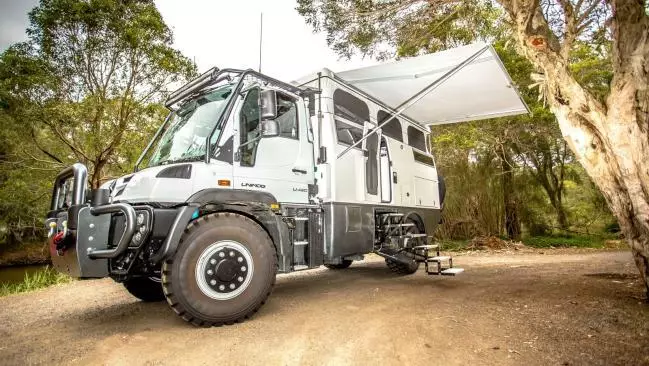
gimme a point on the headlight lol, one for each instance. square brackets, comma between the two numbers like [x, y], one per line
[143, 226]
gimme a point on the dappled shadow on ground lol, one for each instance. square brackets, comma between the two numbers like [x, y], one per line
[564, 309]
[614, 276]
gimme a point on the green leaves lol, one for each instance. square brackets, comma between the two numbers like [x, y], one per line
[93, 68]
[86, 87]
[401, 28]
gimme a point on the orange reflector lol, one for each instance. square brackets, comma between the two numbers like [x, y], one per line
[224, 182]
[274, 206]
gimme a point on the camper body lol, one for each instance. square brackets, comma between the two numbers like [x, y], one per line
[248, 177]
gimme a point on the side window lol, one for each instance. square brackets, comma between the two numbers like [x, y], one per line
[424, 159]
[350, 108]
[248, 128]
[348, 134]
[392, 128]
[416, 138]
[287, 116]
[223, 152]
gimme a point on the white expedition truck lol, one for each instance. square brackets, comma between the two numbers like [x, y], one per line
[250, 176]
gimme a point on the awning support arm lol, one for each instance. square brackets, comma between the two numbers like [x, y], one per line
[417, 96]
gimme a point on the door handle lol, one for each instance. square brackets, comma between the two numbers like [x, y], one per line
[296, 170]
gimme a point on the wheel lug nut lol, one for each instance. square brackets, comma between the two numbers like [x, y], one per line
[231, 254]
[232, 286]
[239, 259]
[221, 287]
[243, 268]
[213, 261]
[213, 282]
[210, 272]
[221, 254]
[240, 279]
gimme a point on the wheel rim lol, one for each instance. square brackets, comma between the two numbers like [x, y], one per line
[224, 270]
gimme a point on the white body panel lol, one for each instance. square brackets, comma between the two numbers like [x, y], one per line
[144, 186]
[344, 179]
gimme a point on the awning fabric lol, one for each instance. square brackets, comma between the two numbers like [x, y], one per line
[481, 89]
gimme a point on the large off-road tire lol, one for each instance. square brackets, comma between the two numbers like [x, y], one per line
[145, 289]
[223, 271]
[401, 268]
[342, 265]
[412, 266]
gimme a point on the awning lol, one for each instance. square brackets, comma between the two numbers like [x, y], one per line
[480, 89]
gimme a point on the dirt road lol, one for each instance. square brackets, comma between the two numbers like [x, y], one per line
[561, 307]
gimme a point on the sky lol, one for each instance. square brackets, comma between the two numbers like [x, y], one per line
[225, 33]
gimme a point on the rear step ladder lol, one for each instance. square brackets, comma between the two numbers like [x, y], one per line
[435, 264]
[392, 225]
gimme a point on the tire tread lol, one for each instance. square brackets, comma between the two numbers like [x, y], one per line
[176, 305]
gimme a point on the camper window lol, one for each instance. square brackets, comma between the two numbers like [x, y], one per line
[391, 129]
[416, 138]
[351, 108]
[424, 159]
[348, 134]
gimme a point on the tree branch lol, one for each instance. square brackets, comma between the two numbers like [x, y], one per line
[42, 149]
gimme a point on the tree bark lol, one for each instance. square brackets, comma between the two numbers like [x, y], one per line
[97, 174]
[611, 139]
[561, 216]
[512, 220]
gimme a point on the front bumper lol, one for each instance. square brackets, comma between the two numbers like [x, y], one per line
[98, 239]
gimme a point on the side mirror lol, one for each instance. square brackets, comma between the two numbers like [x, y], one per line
[269, 128]
[268, 104]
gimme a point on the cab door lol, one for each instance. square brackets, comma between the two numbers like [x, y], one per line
[281, 165]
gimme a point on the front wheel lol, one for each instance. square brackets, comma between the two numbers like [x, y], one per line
[223, 271]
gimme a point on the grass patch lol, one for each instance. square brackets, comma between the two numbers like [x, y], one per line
[567, 241]
[453, 245]
[44, 278]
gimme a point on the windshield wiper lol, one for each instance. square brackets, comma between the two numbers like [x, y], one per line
[184, 160]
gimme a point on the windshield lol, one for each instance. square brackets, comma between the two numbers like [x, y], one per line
[188, 127]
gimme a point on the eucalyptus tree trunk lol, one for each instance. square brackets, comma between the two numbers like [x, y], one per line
[510, 203]
[610, 139]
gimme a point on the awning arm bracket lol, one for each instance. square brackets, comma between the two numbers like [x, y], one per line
[417, 97]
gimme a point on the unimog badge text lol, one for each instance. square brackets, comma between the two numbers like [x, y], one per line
[253, 185]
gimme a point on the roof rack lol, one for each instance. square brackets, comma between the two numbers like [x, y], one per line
[215, 75]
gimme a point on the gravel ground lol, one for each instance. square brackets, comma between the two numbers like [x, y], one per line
[559, 307]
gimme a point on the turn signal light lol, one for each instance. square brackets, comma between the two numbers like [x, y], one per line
[224, 182]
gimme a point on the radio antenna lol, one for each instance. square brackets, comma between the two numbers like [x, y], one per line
[261, 34]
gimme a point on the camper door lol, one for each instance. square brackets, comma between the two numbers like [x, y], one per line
[372, 160]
